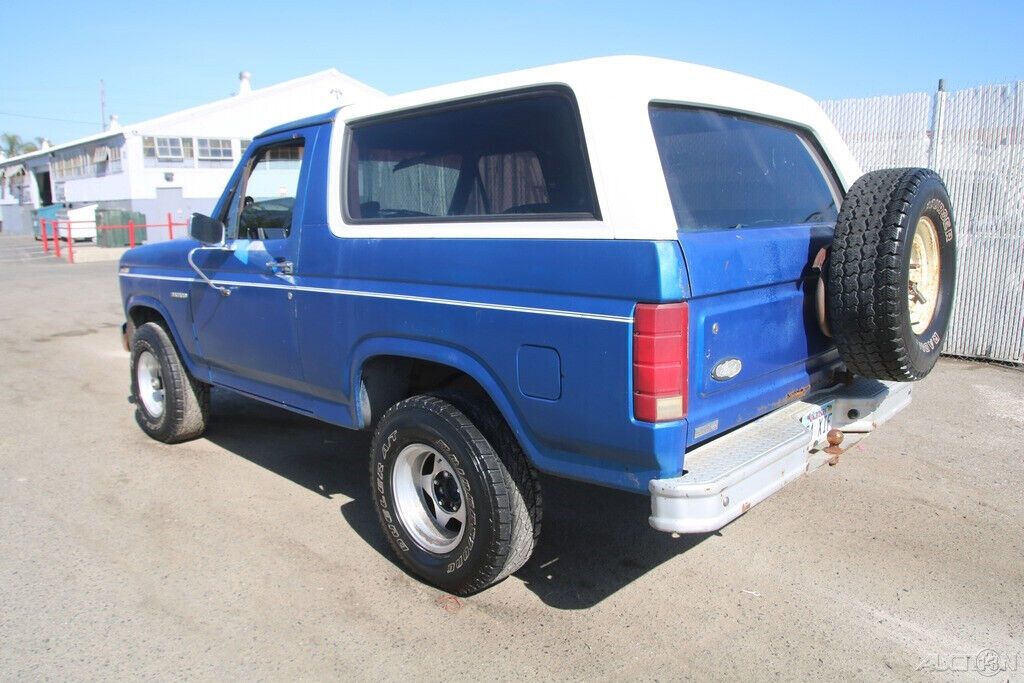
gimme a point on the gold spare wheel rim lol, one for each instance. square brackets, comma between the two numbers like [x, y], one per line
[923, 288]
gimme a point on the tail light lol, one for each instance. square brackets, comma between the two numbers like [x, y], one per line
[660, 361]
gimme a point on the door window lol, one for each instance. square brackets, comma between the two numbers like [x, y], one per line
[267, 199]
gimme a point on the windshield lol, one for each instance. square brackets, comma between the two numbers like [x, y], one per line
[725, 170]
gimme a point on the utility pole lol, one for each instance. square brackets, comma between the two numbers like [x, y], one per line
[103, 106]
[938, 118]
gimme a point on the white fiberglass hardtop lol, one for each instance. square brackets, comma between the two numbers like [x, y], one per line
[614, 95]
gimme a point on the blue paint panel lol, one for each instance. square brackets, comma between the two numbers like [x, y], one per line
[542, 325]
[753, 300]
[371, 295]
[539, 372]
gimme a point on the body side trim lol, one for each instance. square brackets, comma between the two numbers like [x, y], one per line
[399, 297]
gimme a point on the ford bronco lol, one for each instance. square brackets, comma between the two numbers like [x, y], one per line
[649, 275]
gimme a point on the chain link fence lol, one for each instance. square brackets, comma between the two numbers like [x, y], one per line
[975, 139]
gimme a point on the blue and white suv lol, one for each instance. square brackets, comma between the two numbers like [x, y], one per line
[635, 272]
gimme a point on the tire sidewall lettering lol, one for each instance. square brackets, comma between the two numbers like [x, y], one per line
[452, 450]
[932, 203]
[941, 211]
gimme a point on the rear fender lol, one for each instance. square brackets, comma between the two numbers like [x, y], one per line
[444, 355]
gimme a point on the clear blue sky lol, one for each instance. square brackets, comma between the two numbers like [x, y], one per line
[158, 57]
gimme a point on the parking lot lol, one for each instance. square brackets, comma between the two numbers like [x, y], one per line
[255, 552]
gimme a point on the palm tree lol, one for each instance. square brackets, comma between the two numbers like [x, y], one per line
[12, 144]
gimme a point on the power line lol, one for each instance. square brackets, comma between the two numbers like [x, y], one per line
[47, 118]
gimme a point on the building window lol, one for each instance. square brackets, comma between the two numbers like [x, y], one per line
[243, 145]
[214, 148]
[170, 149]
[284, 153]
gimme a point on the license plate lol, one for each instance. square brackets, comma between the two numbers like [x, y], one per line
[818, 421]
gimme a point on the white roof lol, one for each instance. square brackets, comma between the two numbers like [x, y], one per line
[614, 96]
[220, 117]
[620, 82]
[276, 104]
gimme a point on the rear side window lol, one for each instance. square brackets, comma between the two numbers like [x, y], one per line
[729, 171]
[515, 157]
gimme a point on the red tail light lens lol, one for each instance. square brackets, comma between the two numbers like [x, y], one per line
[660, 361]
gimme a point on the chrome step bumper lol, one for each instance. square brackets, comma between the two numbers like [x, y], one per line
[726, 477]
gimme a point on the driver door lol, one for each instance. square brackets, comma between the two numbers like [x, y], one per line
[248, 336]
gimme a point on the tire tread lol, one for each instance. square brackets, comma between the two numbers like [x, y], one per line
[864, 289]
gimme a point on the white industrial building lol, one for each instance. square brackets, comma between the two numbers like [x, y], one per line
[178, 163]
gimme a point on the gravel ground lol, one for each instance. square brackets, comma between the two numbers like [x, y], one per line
[255, 553]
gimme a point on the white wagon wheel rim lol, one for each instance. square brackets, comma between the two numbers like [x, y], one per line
[150, 380]
[428, 498]
[923, 285]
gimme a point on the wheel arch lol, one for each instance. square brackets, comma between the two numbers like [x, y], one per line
[143, 309]
[399, 355]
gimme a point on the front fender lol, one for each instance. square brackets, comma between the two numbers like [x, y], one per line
[145, 301]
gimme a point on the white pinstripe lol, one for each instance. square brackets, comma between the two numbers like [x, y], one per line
[398, 297]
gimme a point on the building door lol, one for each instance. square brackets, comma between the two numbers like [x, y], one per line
[43, 182]
[169, 200]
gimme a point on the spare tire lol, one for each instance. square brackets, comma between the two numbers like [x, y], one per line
[891, 272]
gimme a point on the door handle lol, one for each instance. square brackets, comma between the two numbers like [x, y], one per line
[281, 266]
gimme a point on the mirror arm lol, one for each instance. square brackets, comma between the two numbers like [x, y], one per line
[224, 291]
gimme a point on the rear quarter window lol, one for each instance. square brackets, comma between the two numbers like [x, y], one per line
[516, 156]
[724, 170]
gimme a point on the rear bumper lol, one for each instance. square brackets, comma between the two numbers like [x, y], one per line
[726, 477]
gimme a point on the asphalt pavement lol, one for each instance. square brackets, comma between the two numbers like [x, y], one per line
[255, 553]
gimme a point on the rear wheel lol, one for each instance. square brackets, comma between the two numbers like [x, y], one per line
[458, 513]
[891, 274]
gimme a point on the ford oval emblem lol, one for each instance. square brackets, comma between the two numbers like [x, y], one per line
[727, 369]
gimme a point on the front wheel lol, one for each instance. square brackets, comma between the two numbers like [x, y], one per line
[170, 405]
[458, 514]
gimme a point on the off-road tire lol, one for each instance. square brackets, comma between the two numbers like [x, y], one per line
[186, 400]
[482, 412]
[501, 494]
[868, 270]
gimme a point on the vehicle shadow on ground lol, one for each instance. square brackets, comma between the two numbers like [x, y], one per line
[595, 540]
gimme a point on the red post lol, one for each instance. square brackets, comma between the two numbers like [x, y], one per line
[131, 233]
[71, 247]
[56, 239]
[170, 226]
[46, 239]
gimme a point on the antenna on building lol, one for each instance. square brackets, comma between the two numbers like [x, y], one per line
[103, 106]
[244, 83]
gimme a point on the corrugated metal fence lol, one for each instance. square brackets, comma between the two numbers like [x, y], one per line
[975, 139]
